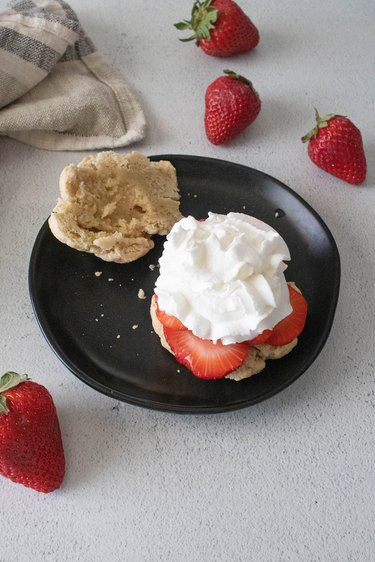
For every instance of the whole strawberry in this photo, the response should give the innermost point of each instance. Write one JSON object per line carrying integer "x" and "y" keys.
{"x": 335, "y": 145}
{"x": 31, "y": 449}
{"x": 220, "y": 28}
{"x": 231, "y": 105}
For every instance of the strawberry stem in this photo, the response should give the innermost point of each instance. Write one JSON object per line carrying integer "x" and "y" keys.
{"x": 7, "y": 381}
{"x": 321, "y": 122}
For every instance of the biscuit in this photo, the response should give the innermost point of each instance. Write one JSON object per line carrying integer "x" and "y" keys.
{"x": 111, "y": 204}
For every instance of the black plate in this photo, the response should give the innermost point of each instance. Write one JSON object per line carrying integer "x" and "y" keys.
{"x": 82, "y": 315}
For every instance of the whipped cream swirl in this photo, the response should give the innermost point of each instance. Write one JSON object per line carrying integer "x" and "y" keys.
{"x": 224, "y": 277}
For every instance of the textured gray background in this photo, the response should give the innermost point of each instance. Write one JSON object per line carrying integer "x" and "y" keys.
{"x": 290, "y": 479}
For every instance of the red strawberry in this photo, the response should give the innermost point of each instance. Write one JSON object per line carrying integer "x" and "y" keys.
{"x": 262, "y": 338}
{"x": 220, "y": 28}
{"x": 335, "y": 145}
{"x": 205, "y": 359}
{"x": 232, "y": 104}
{"x": 290, "y": 327}
{"x": 31, "y": 449}
{"x": 168, "y": 320}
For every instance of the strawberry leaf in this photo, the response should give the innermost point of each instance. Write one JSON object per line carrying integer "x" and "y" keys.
{"x": 3, "y": 405}
{"x": 182, "y": 25}
{"x": 321, "y": 122}
{"x": 191, "y": 38}
{"x": 233, "y": 74}
{"x": 9, "y": 380}
{"x": 202, "y": 20}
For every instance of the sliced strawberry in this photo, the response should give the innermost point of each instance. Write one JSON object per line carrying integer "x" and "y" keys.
{"x": 205, "y": 359}
{"x": 261, "y": 338}
{"x": 168, "y": 320}
{"x": 290, "y": 327}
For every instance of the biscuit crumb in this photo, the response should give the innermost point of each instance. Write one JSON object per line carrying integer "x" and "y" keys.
{"x": 279, "y": 213}
{"x": 98, "y": 273}
{"x": 152, "y": 266}
{"x": 135, "y": 326}
{"x": 141, "y": 294}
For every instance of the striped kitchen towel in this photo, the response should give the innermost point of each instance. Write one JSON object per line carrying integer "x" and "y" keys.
{"x": 57, "y": 91}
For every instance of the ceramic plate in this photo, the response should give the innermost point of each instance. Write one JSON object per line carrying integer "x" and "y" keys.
{"x": 102, "y": 331}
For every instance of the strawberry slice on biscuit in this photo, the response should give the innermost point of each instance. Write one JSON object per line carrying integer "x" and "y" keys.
{"x": 205, "y": 359}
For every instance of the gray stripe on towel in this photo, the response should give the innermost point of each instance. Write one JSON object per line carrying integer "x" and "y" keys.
{"x": 28, "y": 49}
{"x": 29, "y": 9}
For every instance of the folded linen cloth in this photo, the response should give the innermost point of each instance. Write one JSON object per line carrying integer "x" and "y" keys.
{"x": 57, "y": 91}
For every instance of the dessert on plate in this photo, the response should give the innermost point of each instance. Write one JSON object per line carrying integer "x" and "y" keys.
{"x": 222, "y": 305}
{"x": 112, "y": 204}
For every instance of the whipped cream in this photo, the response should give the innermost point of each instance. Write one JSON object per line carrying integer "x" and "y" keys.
{"x": 224, "y": 277}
